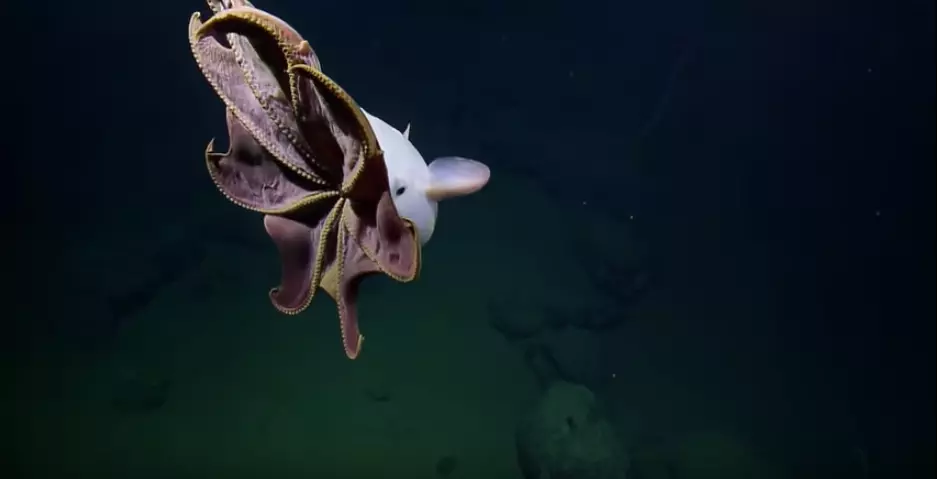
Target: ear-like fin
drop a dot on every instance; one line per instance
(452, 176)
(406, 132)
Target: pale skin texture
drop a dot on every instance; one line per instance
(416, 187)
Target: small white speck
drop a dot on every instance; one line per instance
(868, 70)
(630, 217)
(614, 375)
(584, 203)
(878, 212)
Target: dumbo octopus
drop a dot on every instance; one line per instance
(319, 168)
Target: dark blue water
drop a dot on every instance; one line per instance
(728, 207)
